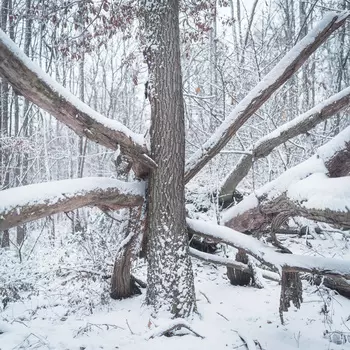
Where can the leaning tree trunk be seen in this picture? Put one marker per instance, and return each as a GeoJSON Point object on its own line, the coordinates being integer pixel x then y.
{"type": "Point", "coordinates": [170, 277]}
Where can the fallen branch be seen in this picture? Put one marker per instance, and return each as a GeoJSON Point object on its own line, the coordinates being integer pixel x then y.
{"type": "Point", "coordinates": [38, 87]}
{"type": "Point", "coordinates": [267, 255]}
{"type": "Point", "coordinates": [27, 203]}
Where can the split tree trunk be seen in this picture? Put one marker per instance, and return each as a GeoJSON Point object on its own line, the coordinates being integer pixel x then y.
{"type": "Point", "coordinates": [122, 283]}
{"type": "Point", "coordinates": [170, 277]}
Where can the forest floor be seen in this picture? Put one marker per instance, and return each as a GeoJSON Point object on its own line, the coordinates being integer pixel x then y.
{"type": "Point", "coordinates": [58, 299]}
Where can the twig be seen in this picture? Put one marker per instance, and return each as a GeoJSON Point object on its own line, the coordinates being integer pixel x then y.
{"type": "Point", "coordinates": [127, 323]}
{"type": "Point", "coordinates": [89, 326]}
{"type": "Point", "coordinates": [20, 345]}
{"type": "Point", "coordinates": [175, 324]}
{"type": "Point", "coordinates": [209, 302]}
{"type": "Point", "coordinates": [249, 343]}
{"type": "Point", "coordinates": [222, 316]}
{"type": "Point", "coordinates": [21, 322]}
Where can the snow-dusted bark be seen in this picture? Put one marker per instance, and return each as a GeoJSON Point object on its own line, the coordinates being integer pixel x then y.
{"type": "Point", "coordinates": [268, 143]}
{"type": "Point", "coordinates": [291, 62]}
{"type": "Point", "coordinates": [38, 87]}
{"type": "Point", "coordinates": [123, 285]}
{"type": "Point", "coordinates": [304, 190]}
{"type": "Point", "coordinates": [27, 203]}
{"type": "Point", "coordinates": [169, 275]}
{"type": "Point", "coordinates": [268, 255]}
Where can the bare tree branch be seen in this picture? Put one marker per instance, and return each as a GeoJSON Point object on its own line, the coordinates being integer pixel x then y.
{"type": "Point", "coordinates": [292, 61]}
{"type": "Point", "coordinates": [27, 203]}
{"type": "Point", "coordinates": [34, 84]}
{"type": "Point", "coordinates": [268, 143]}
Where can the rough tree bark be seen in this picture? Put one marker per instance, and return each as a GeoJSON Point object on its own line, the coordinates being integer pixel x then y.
{"type": "Point", "coordinates": [170, 277]}
{"type": "Point", "coordinates": [236, 276]}
{"type": "Point", "coordinates": [122, 283]}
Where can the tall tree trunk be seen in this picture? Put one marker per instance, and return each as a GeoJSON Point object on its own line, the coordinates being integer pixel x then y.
{"type": "Point", "coordinates": [170, 276]}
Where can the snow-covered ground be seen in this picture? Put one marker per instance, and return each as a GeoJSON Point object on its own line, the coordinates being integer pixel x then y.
{"type": "Point", "coordinates": [63, 303]}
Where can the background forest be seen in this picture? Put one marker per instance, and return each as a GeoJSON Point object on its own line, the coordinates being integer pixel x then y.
{"type": "Point", "coordinates": [57, 270]}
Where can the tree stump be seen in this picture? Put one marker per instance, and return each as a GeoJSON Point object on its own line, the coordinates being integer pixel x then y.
{"type": "Point", "coordinates": [291, 290]}
{"type": "Point", "coordinates": [236, 277]}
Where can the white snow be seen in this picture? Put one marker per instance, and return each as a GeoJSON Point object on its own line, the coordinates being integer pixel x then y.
{"type": "Point", "coordinates": [335, 145]}
{"type": "Point", "coordinates": [320, 192]}
{"type": "Point", "coordinates": [62, 311]}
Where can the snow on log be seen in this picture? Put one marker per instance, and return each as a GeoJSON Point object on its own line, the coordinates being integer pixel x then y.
{"type": "Point", "coordinates": [27, 203]}
{"type": "Point", "coordinates": [38, 87]}
{"type": "Point", "coordinates": [304, 190]}
{"type": "Point", "coordinates": [268, 255]}
{"type": "Point", "coordinates": [268, 143]}
{"type": "Point", "coordinates": [317, 198]}
{"type": "Point", "coordinates": [291, 62]}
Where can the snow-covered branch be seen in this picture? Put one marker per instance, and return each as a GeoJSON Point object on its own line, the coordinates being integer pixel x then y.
{"type": "Point", "coordinates": [268, 255]}
{"type": "Point", "coordinates": [304, 190]}
{"type": "Point", "coordinates": [23, 204]}
{"type": "Point", "coordinates": [268, 143]}
{"type": "Point", "coordinates": [291, 62]}
{"type": "Point", "coordinates": [38, 87]}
